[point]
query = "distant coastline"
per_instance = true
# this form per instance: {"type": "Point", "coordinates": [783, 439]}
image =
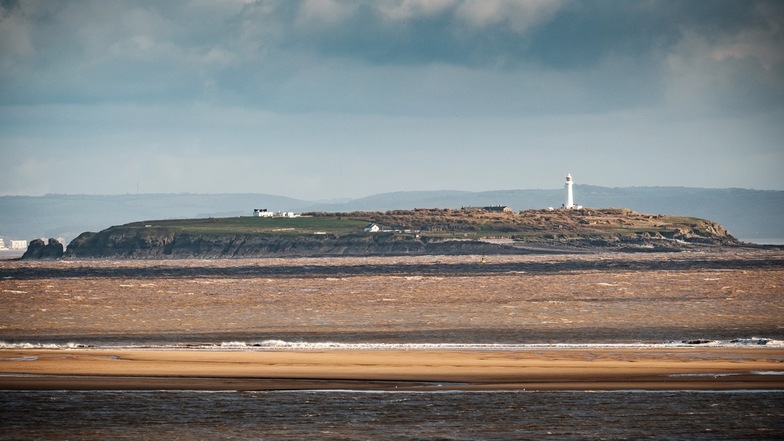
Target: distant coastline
{"type": "Point", "coordinates": [764, 240]}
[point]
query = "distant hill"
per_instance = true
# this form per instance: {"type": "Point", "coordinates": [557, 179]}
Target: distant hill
{"type": "Point", "coordinates": [747, 214]}
{"type": "Point", "coordinates": [28, 217]}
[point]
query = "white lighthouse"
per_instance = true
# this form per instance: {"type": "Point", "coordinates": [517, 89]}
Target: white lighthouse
{"type": "Point", "coordinates": [569, 195]}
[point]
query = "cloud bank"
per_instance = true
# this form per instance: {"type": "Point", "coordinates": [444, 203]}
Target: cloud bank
{"type": "Point", "coordinates": [234, 95]}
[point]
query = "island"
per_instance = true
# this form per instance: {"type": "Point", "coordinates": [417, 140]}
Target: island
{"type": "Point", "coordinates": [426, 231]}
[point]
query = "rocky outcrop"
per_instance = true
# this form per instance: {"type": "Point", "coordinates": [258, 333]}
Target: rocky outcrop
{"type": "Point", "coordinates": [122, 242]}
{"type": "Point", "coordinates": [38, 249]}
{"type": "Point", "coordinates": [185, 245]}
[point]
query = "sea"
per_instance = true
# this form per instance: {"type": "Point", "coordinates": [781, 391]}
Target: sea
{"type": "Point", "coordinates": [164, 415]}
{"type": "Point", "coordinates": [354, 415]}
{"type": "Point", "coordinates": [392, 415]}
{"type": "Point", "coordinates": [765, 240]}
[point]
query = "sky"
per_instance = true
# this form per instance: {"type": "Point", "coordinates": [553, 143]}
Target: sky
{"type": "Point", "coordinates": [329, 99]}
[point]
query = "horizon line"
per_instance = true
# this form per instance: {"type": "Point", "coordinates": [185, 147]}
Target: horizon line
{"type": "Point", "coordinates": [377, 194]}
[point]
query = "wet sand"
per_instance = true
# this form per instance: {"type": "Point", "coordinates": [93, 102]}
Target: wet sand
{"type": "Point", "coordinates": [572, 369]}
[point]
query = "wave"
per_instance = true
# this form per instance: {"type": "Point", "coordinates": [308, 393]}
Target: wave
{"type": "Point", "coordinates": [281, 345]}
{"type": "Point", "coordinates": [27, 345]}
{"type": "Point", "coordinates": [767, 372]}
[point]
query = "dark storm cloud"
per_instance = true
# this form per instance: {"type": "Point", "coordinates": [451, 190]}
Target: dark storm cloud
{"type": "Point", "coordinates": [612, 54]}
{"type": "Point", "coordinates": [255, 52]}
{"type": "Point", "coordinates": [555, 33]}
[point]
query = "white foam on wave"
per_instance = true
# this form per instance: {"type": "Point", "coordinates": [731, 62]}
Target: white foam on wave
{"type": "Point", "coordinates": [303, 346]}
{"type": "Point", "coordinates": [281, 345]}
{"type": "Point", "coordinates": [27, 345]}
{"type": "Point", "coordinates": [720, 374]}
{"type": "Point", "coordinates": [705, 374]}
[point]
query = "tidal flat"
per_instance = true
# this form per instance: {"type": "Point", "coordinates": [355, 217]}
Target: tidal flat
{"type": "Point", "coordinates": [574, 298]}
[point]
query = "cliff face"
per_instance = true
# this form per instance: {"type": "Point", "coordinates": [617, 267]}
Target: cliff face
{"type": "Point", "coordinates": [122, 242]}
{"type": "Point", "coordinates": [154, 242]}
{"type": "Point", "coordinates": [185, 245]}
{"type": "Point", "coordinates": [235, 246]}
{"type": "Point", "coordinates": [148, 245]}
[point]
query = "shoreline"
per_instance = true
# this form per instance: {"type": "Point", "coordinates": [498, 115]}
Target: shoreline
{"type": "Point", "coordinates": [392, 370]}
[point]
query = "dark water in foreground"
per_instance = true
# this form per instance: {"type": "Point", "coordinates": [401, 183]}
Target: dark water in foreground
{"type": "Point", "coordinates": [174, 415]}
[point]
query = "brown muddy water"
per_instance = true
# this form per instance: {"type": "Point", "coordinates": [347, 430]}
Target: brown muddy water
{"type": "Point", "coordinates": [515, 299]}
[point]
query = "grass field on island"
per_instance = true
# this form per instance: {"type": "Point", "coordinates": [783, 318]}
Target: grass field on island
{"type": "Point", "coordinates": [446, 223]}
{"type": "Point", "coordinates": [259, 225]}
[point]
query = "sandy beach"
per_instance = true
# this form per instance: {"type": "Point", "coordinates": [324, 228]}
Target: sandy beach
{"type": "Point", "coordinates": [551, 369]}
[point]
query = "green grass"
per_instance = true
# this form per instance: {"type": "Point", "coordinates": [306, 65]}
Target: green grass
{"type": "Point", "coordinates": [563, 223]}
{"type": "Point", "coordinates": [255, 225]}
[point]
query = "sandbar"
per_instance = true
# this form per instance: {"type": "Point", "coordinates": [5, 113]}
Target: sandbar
{"type": "Point", "coordinates": [535, 369]}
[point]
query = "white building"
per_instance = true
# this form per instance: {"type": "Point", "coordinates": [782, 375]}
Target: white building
{"type": "Point", "coordinates": [569, 205]}
{"type": "Point", "coordinates": [2, 244]}
{"type": "Point", "coordinates": [262, 212]}
{"type": "Point", "coordinates": [569, 195]}
{"type": "Point", "coordinates": [372, 228]}
{"type": "Point", "coordinates": [18, 244]}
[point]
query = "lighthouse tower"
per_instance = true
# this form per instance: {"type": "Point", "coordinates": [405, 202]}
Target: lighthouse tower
{"type": "Point", "coordinates": [569, 195]}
